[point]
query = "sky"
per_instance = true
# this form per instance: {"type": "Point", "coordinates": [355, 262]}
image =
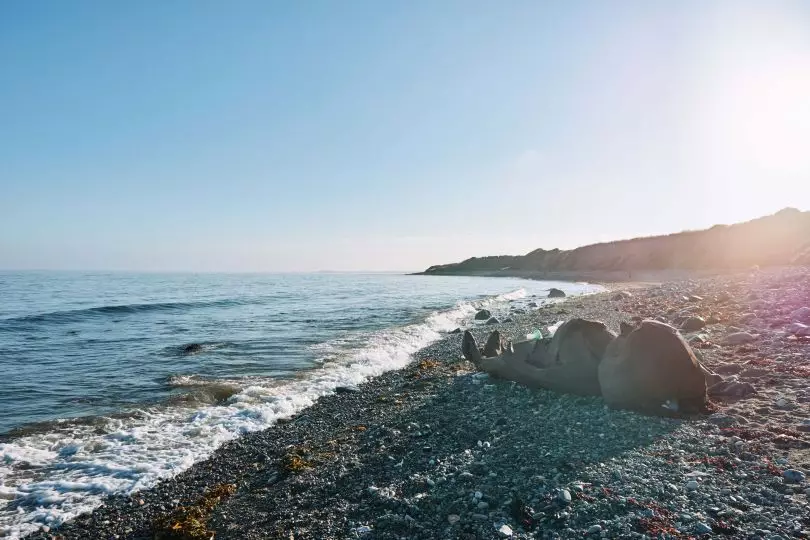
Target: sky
{"type": "Point", "coordinates": [198, 135]}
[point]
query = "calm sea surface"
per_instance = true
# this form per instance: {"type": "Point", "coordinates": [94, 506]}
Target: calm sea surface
{"type": "Point", "coordinates": [98, 393]}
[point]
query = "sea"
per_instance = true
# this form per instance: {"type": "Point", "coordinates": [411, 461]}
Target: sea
{"type": "Point", "coordinates": [110, 382]}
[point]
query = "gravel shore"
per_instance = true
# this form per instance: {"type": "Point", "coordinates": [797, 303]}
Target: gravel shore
{"type": "Point", "coordinates": [437, 450]}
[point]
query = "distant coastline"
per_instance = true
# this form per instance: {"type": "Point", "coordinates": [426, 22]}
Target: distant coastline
{"type": "Point", "coordinates": [781, 239]}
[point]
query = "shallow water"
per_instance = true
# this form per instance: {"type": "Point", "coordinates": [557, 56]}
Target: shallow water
{"type": "Point", "coordinates": [97, 394]}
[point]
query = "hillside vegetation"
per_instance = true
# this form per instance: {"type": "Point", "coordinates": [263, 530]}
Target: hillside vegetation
{"type": "Point", "coordinates": [780, 239]}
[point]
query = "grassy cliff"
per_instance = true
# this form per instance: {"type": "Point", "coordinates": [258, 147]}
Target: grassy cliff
{"type": "Point", "coordinates": [780, 239]}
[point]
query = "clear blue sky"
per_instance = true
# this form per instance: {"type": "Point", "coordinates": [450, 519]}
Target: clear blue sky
{"type": "Point", "coordinates": [264, 136]}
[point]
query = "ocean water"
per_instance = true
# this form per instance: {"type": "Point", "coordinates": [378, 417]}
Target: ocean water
{"type": "Point", "coordinates": [98, 394]}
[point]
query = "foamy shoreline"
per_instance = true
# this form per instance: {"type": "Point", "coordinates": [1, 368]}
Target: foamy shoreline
{"type": "Point", "coordinates": [408, 454]}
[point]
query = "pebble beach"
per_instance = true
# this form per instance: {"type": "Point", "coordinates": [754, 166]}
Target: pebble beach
{"type": "Point", "coordinates": [438, 450]}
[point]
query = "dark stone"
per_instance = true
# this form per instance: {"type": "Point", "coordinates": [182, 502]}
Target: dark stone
{"type": "Point", "coordinates": [732, 388]}
{"type": "Point", "coordinates": [347, 390]}
{"type": "Point", "coordinates": [729, 369]}
{"type": "Point", "coordinates": [693, 324]}
{"type": "Point", "coordinates": [456, 331]}
{"type": "Point", "coordinates": [483, 315]}
{"type": "Point", "coordinates": [192, 348]}
{"type": "Point", "coordinates": [493, 320]}
{"type": "Point", "coordinates": [556, 293]}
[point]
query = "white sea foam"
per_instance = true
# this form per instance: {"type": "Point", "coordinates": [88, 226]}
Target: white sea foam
{"type": "Point", "coordinates": [69, 471]}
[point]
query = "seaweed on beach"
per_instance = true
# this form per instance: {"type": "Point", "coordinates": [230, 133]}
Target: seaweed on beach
{"type": "Point", "coordinates": [191, 522]}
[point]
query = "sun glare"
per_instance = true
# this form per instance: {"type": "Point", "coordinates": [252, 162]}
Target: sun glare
{"type": "Point", "coordinates": [752, 109]}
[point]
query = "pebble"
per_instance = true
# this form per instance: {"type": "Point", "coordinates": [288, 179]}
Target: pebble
{"type": "Point", "coordinates": [363, 530]}
{"type": "Point", "coordinates": [702, 528]}
{"type": "Point", "coordinates": [453, 519]}
{"type": "Point", "coordinates": [564, 496]}
{"type": "Point", "coordinates": [504, 530]}
{"type": "Point", "coordinates": [802, 314]}
{"type": "Point", "coordinates": [692, 485]}
{"type": "Point", "coordinates": [595, 529]}
{"type": "Point", "coordinates": [799, 329]}
{"type": "Point", "coordinates": [793, 476]}
{"type": "Point", "coordinates": [739, 338]}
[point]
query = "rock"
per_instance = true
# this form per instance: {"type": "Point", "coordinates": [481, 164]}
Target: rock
{"type": "Point", "coordinates": [711, 377]}
{"type": "Point", "coordinates": [622, 295]}
{"type": "Point", "coordinates": [483, 505]}
{"type": "Point", "coordinates": [452, 519]}
{"type": "Point", "coordinates": [739, 338]}
{"type": "Point", "coordinates": [564, 497]}
{"type": "Point", "coordinates": [594, 529]}
{"type": "Point", "coordinates": [532, 304]}
{"type": "Point", "coordinates": [692, 485]}
{"type": "Point", "coordinates": [722, 420]}
{"type": "Point", "coordinates": [556, 293]}
{"type": "Point", "coordinates": [494, 345]}
{"type": "Point", "coordinates": [650, 365]}
{"type": "Point", "coordinates": [192, 348]}
{"type": "Point", "coordinates": [732, 388]}
{"type": "Point", "coordinates": [693, 324]}
{"type": "Point", "coordinates": [346, 390]}
{"type": "Point", "coordinates": [483, 315]}
{"type": "Point", "coordinates": [801, 315]}
{"type": "Point", "coordinates": [456, 331]}
{"type": "Point", "coordinates": [493, 320]}
{"type": "Point", "coordinates": [799, 329]}
{"type": "Point", "coordinates": [728, 369]}
{"type": "Point", "coordinates": [793, 476]}
{"type": "Point", "coordinates": [702, 528]}
{"type": "Point", "coordinates": [505, 531]}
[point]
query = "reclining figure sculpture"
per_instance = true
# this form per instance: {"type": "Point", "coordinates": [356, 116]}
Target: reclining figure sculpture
{"type": "Point", "coordinates": [644, 368]}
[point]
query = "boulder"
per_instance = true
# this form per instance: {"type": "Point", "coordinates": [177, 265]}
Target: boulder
{"type": "Point", "coordinates": [456, 331]}
{"type": "Point", "coordinates": [693, 324]}
{"type": "Point", "coordinates": [556, 293]}
{"type": "Point", "coordinates": [493, 320]}
{"type": "Point", "coordinates": [483, 315]}
{"type": "Point", "coordinates": [649, 366]}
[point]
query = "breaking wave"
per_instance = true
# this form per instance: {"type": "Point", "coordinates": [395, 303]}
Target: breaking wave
{"type": "Point", "coordinates": [50, 475]}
